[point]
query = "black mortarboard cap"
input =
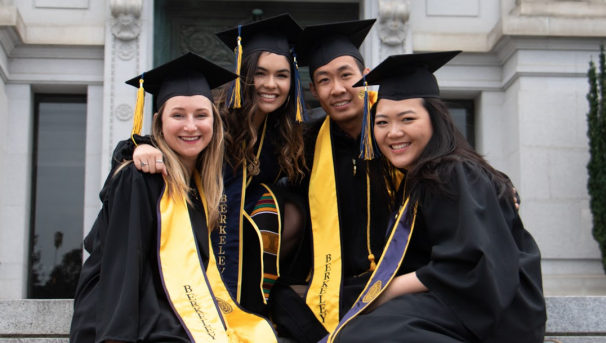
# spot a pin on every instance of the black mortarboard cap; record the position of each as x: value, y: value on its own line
x: 400, y: 77
x: 277, y: 34
x: 187, y: 75
x: 408, y: 76
x: 320, y: 44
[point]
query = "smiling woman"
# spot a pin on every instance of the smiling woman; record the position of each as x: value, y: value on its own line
x: 152, y: 275
x: 272, y: 83
x: 186, y: 123
x: 402, y: 130
x: 263, y: 144
x: 458, y: 265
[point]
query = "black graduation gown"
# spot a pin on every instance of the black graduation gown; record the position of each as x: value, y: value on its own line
x: 482, y: 269
x: 120, y: 295
x: 290, y: 313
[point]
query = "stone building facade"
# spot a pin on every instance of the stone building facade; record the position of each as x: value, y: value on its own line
x: 523, y: 74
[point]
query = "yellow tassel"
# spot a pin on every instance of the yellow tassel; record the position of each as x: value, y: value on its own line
x: 372, y: 97
x: 367, y: 149
x: 233, y: 337
x: 299, y: 117
x: 138, y: 116
x: 235, y: 100
x: 373, y: 264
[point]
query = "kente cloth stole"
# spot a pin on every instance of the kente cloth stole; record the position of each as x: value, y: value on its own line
x: 227, y: 240
x: 401, y: 230
x: 198, y: 296
x: 266, y: 218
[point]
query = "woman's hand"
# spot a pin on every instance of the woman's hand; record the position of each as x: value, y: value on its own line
x: 403, y: 284
x: 149, y: 159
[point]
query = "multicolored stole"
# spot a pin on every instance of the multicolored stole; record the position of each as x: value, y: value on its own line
x: 266, y: 219
x: 393, y: 255
x: 227, y: 240
x: 323, y: 295
x: 198, y: 296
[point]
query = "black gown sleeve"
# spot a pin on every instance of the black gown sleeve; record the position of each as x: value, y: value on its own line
x: 125, y: 149
x: 124, y: 244
x: 108, y: 303
x: 474, y: 263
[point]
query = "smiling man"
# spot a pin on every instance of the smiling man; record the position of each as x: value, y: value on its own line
x: 347, y: 195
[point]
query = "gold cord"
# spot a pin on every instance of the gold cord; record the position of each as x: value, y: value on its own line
x: 371, y: 257
x: 258, y: 150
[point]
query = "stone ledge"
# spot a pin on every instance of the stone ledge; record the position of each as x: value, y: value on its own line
x: 571, y: 319
x: 568, y: 339
x: 34, y: 340
x: 576, y: 315
x: 19, y: 318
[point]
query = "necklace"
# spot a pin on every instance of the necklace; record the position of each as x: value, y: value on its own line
x: 254, y: 168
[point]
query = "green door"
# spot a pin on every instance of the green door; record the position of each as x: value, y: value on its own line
x: 182, y: 25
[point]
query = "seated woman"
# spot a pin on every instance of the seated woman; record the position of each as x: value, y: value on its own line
x: 458, y: 265
x: 263, y: 144
x: 152, y: 275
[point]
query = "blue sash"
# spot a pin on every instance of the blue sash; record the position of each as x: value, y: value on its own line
x: 386, y: 269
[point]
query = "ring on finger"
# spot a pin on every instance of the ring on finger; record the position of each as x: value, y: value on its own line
x: 143, y: 164
x: 159, y: 161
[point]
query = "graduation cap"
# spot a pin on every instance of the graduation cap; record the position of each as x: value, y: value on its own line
x: 320, y: 44
x: 401, y: 77
x: 187, y: 75
x: 277, y: 35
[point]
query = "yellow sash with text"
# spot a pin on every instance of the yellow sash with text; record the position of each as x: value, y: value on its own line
x: 199, y: 297
x: 323, y: 295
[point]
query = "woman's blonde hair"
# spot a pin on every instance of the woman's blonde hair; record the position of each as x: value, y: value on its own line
x: 209, y: 165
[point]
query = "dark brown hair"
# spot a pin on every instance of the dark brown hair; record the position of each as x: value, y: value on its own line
x: 239, y: 128
x: 447, y: 146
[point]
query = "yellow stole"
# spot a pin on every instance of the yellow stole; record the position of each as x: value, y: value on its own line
x: 325, y: 288
x: 323, y: 296
x: 199, y: 298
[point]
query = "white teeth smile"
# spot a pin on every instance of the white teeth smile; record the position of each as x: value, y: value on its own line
x: 190, y: 139
x: 268, y: 96
x: 399, y: 146
x: 341, y: 103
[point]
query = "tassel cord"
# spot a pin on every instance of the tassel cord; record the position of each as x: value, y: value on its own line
x: 138, y: 115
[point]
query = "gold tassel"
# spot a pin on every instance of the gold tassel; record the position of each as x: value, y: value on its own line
x: 233, y: 337
x: 367, y: 147
x: 235, y: 100
x: 138, y: 116
x: 301, y: 113
x: 372, y: 98
x: 373, y: 264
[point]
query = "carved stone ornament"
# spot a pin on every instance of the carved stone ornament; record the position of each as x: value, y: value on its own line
x: 124, y: 112
x: 126, y: 50
x: 393, y: 16
x: 202, y: 40
x: 126, y: 15
x: 393, y: 26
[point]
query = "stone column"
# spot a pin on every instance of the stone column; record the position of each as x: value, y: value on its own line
x: 126, y: 55
x: 393, y: 27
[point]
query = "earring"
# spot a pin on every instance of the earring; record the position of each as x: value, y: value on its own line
x: 287, y: 100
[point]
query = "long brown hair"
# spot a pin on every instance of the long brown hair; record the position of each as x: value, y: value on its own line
x: 433, y: 169
x: 209, y: 165
x: 239, y: 128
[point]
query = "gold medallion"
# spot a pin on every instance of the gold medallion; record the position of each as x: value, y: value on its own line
x: 361, y: 94
x: 373, y: 292
x: 253, y: 167
x: 224, y: 306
